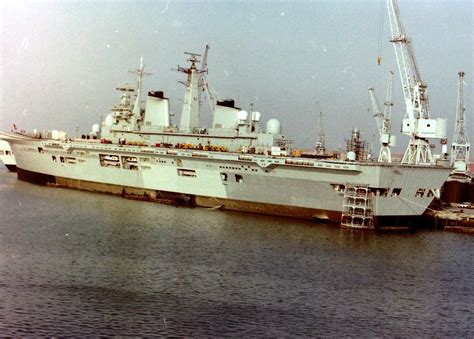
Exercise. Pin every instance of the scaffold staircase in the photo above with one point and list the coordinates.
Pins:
(357, 207)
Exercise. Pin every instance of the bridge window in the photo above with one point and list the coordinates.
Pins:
(239, 178)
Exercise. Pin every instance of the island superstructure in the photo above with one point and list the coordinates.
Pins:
(234, 164)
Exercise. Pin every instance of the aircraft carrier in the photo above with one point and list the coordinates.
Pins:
(236, 164)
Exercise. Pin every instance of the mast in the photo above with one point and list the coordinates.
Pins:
(202, 74)
(204, 83)
(460, 145)
(127, 112)
(190, 118)
(136, 112)
(417, 122)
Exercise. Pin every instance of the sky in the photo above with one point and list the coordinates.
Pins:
(60, 61)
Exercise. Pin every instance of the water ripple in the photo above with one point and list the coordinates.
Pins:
(80, 264)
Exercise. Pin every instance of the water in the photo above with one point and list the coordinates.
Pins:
(79, 263)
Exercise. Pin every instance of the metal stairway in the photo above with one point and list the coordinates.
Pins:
(357, 207)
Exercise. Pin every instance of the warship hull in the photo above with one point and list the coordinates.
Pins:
(277, 185)
(6, 156)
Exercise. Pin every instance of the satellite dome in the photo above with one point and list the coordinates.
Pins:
(351, 156)
(273, 126)
(55, 134)
(256, 116)
(243, 115)
(95, 128)
(109, 120)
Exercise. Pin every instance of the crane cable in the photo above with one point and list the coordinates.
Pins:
(380, 43)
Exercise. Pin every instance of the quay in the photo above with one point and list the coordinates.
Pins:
(453, 218)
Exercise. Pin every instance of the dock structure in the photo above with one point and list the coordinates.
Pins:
(457, 218)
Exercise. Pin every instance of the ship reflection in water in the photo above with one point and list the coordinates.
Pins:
(78, 263)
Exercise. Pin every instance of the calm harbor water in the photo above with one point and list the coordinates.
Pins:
(79, 263)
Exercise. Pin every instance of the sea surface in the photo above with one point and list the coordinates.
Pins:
(80, 263)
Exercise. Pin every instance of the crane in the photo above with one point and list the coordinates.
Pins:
(460, 145)
(416, 122)
(384, 121)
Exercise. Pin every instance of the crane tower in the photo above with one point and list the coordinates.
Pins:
(321, 140)
(460, 146)
(384, 121)
(416, 122)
